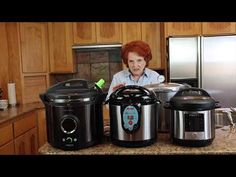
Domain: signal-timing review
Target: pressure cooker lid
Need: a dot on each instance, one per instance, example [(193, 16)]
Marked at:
[(132, 94), (71, 94), (73, 89), (192, 99), (165, 87)]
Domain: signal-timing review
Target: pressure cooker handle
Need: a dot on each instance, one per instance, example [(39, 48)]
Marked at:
[(217, 104), (188, 92), (72, 83), (41, 96), (132, 87)]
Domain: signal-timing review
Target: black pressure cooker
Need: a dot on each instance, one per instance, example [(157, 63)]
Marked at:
[(133, 116), (192, 117), (74, 114)]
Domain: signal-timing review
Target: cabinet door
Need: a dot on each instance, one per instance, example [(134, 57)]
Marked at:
[(152, 35), (218, 28), (131, 31), (25, 123), (6, 134), (32, 87), (182, 28), (7, 149), (42, 131), (32, 141), (4, 59), (108, 32), (20, 144), (25, 133), (34, 47), (27, 143), (60, 47), (84, 33)]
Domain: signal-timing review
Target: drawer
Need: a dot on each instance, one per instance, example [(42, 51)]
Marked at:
[(7, 149), (6, 134), (26, 122)]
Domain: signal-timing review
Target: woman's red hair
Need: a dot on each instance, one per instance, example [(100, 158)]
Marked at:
[(139, 47)]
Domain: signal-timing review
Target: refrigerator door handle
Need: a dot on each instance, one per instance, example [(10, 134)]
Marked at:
[(199, 60)]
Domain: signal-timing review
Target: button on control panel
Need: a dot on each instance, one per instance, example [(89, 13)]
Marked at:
[(69, 140)]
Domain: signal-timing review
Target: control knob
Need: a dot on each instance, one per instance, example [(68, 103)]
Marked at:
[(69, 140)]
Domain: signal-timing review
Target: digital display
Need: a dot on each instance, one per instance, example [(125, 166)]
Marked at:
[(194, 122)]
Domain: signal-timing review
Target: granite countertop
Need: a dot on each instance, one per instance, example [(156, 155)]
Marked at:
[(223, 144), (12, 112)]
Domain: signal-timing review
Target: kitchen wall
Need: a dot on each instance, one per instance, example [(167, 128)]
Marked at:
[(94, 64)]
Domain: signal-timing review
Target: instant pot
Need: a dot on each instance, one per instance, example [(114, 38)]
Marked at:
[(192, 117), (74, 114), (164, 92), (133, 116)]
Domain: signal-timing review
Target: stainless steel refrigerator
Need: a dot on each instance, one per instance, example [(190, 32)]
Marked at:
[(205, 62)]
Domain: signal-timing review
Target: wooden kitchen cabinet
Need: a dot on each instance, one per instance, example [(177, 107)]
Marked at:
[(27, 144), (7, 149), (20, 137), (199, 28), (182, 28), (218, 28), (42, 129), (33, 86), (108, 32), (84, 33), (60, 47), (25, 134), (4, 61), (34, 47), (131, 31), (30, 40), (96, 32), (28, 58), (6, 139)]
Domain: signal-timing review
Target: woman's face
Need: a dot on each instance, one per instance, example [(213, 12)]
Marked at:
[(136, 63)]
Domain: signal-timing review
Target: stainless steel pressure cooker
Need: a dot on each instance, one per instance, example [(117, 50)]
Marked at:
[(74, 116), (192, 117), (133, 116), (164, 92)]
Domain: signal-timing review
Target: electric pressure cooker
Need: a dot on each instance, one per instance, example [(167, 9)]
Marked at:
[(164, 92), (74, 114), (133, 116), (192, 117)]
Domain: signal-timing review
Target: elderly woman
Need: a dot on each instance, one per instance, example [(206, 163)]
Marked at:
[(136, 55)]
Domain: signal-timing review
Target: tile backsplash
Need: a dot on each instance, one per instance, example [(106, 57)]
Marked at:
[(94, 65)]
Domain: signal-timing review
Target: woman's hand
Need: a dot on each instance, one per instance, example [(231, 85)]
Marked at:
[(118, 86)]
